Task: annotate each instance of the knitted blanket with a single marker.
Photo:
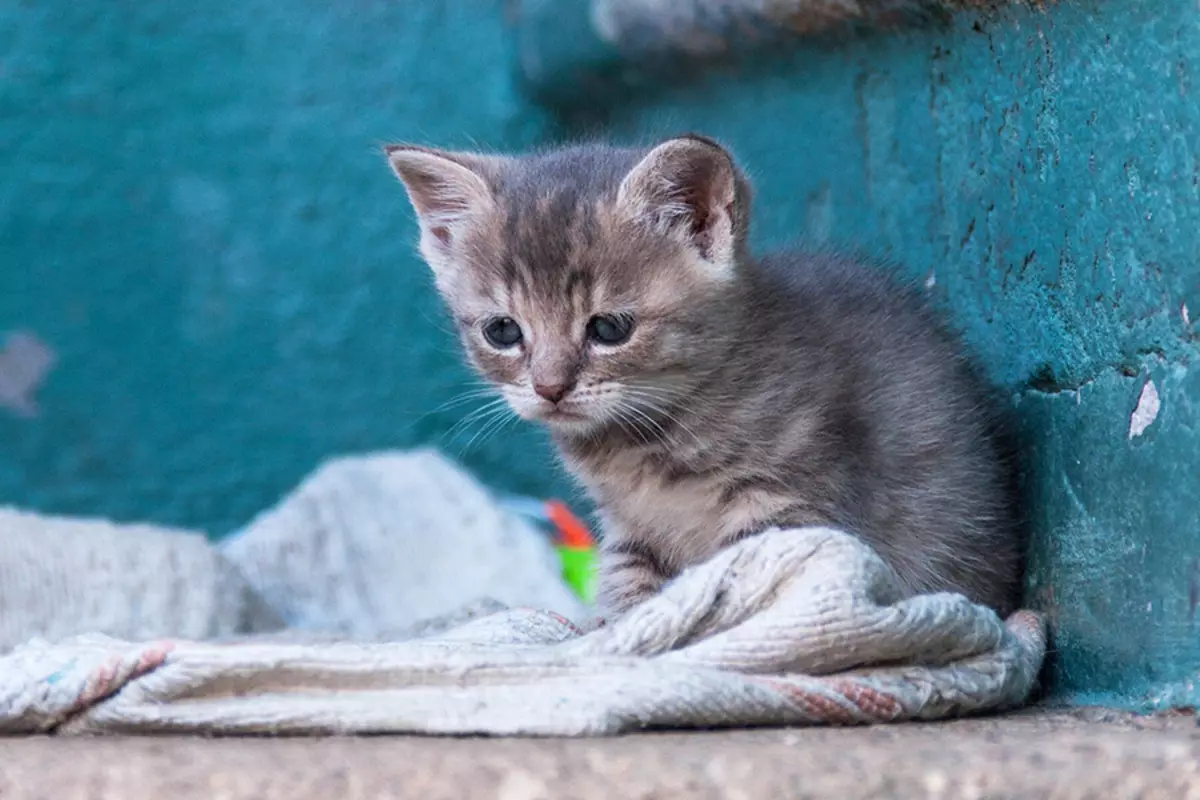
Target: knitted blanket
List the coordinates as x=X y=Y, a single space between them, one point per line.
x=804 y=626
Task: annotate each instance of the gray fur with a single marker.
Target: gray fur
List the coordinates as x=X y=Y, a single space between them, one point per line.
x=795 y=388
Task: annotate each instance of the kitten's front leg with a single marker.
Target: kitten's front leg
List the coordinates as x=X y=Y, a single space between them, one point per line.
x=631 y=571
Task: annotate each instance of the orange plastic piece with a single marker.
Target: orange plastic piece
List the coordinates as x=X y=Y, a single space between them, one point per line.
x=574 y=533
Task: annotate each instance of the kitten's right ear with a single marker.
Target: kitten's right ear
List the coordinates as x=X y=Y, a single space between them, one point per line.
x=447 y=191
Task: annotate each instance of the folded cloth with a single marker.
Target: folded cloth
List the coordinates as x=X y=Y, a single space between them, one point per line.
x=801 y=626
x=374 y=547
x=61 y=577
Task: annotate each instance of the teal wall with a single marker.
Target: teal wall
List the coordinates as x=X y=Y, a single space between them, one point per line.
x=195 y=220
x=1042 y=171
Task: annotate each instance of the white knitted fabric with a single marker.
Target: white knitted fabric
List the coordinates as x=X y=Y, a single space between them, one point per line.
x=372 y=547
x=790 y=627
x=375 y=546
x=60 y=577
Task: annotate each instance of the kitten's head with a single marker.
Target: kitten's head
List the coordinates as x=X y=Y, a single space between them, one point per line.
x=585 y=282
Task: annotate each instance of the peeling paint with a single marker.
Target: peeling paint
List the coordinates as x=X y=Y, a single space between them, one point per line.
x=1146 y=411
x=1183 y=312
x=24 y=363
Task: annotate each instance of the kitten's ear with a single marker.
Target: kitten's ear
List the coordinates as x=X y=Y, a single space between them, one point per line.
x=447 y=191
x=690 y=188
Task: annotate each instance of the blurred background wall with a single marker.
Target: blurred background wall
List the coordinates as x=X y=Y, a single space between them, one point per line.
x=208 y=280
x=197 y=219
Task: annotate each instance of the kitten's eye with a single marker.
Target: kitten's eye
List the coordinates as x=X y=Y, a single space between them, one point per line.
x=609 y=329
x=502 y=332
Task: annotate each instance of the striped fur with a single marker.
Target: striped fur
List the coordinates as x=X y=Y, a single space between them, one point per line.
x=796 y=388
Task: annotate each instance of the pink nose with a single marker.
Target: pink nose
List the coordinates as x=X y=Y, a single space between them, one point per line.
x=552 y=391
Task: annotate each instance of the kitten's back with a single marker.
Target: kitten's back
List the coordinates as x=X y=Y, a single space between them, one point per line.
x=931 y=470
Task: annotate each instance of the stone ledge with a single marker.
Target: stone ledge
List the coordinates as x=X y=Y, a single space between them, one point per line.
x=1036 y=754
x=573 y=52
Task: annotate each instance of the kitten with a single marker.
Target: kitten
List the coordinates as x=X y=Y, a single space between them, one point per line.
x=700 y=393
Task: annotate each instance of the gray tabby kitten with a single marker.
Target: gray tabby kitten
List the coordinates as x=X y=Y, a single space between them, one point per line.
x=703 y=394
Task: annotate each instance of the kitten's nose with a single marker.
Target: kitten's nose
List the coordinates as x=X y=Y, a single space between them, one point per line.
x=552 y=391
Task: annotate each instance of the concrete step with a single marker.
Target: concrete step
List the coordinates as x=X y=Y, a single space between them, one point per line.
x=1088 y=753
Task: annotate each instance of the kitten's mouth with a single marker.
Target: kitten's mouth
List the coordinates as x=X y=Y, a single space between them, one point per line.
x=557 y=415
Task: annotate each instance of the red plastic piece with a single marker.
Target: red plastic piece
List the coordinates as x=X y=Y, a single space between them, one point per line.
x=573 y=532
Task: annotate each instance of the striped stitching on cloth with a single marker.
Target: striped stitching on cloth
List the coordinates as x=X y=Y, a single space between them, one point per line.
x=698 y=655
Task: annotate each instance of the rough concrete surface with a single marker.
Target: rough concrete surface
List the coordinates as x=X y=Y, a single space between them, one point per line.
x=1029 y=169
x=1043 y=754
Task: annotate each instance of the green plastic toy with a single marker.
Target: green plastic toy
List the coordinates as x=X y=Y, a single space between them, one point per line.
x=574 y=542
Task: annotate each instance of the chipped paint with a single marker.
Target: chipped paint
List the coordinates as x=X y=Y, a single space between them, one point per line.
x=1146 y=411
x=25 y=362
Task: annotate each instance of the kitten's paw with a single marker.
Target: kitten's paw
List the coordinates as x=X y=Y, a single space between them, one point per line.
x=623 y=592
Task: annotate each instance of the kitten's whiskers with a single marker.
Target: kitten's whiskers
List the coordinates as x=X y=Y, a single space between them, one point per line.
x=497 y=422
x=657 y=405
x=482 y=414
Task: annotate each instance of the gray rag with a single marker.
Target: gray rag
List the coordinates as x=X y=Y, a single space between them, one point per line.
x=790 y=627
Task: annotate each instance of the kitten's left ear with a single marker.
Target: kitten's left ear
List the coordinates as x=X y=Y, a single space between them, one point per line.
x=689 y=188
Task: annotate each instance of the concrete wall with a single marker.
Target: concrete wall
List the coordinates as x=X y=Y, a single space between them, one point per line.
x=195 y=223
x=196 y=220
x=1041 y=172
